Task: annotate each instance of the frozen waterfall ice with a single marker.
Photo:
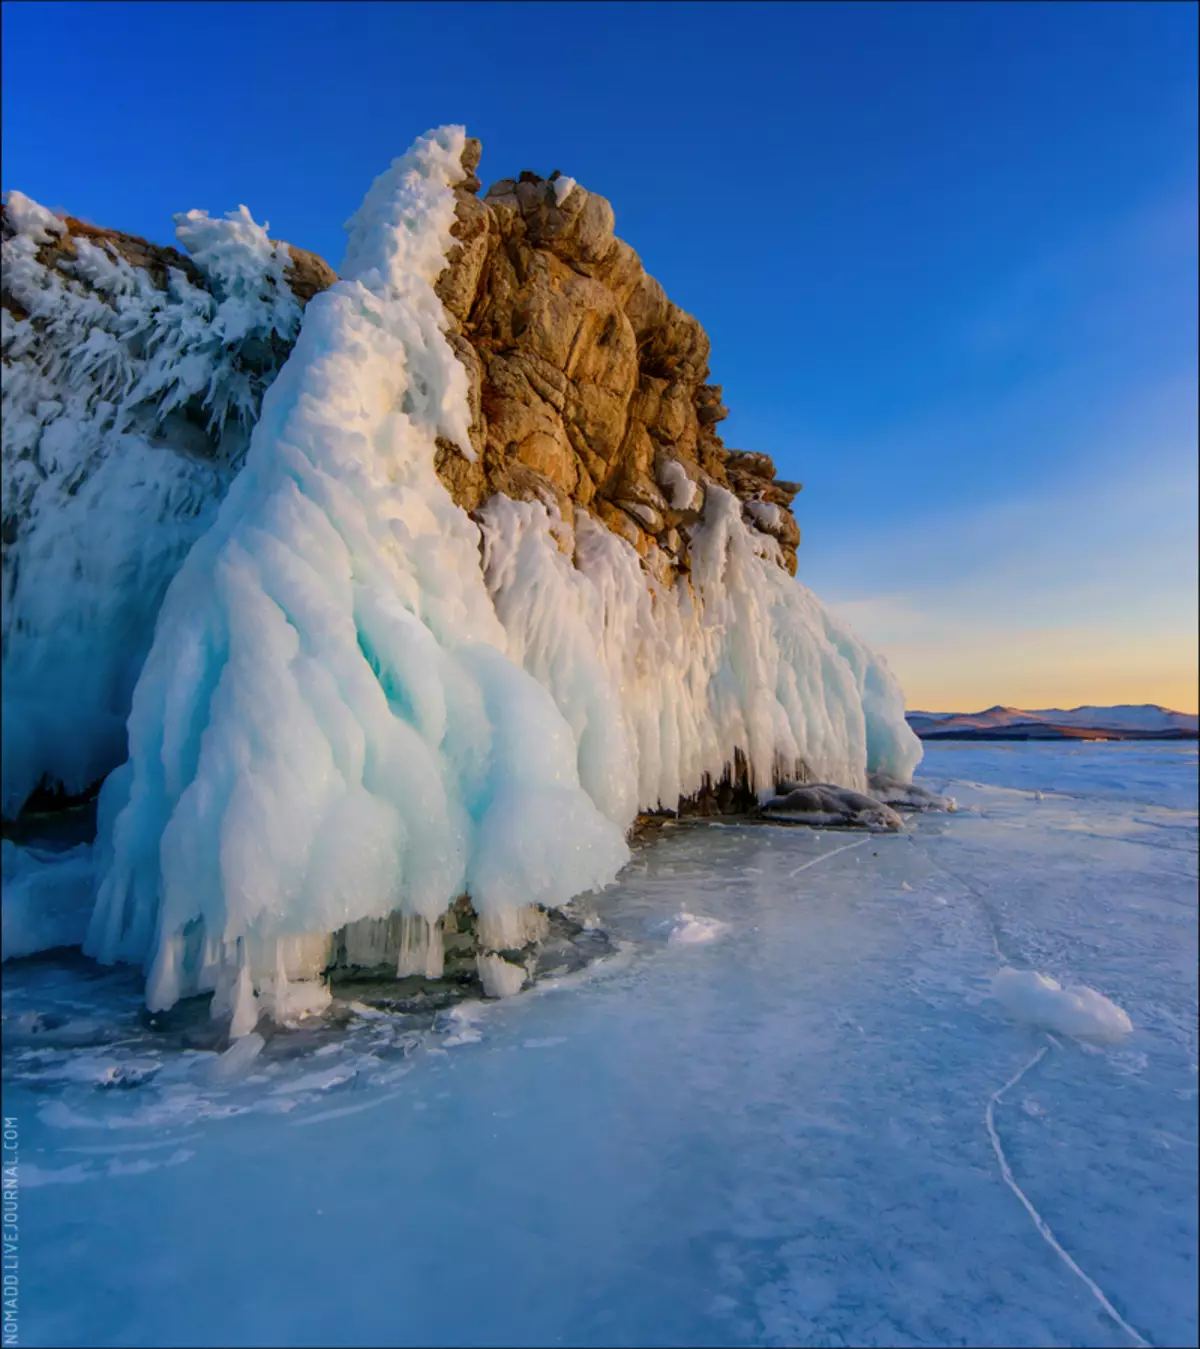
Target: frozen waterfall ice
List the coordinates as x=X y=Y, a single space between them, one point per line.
x=327 y=728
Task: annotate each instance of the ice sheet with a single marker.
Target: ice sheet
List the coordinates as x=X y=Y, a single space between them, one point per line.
x=775 y=1137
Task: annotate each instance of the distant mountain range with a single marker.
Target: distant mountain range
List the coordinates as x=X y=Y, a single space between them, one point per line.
x=1146 y=721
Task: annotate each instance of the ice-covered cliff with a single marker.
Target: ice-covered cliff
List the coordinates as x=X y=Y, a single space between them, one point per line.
x=424 y=590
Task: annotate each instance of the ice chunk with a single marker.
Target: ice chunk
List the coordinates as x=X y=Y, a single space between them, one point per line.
x=689 y=929
x=501 y=978
x=236 y=1060
x=1075 y=1010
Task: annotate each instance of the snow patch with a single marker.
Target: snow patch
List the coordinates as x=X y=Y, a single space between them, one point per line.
x=765 y=514
x=562 y=189
x=680 y=489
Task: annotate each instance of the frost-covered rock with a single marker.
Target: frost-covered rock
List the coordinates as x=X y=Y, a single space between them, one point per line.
x=895 y=791
x=132 y=377
x=484 y=583
x=822 y=803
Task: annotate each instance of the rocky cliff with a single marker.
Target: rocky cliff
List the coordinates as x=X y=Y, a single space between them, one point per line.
x=588 y=390
x=588 y=387
x=587 y=383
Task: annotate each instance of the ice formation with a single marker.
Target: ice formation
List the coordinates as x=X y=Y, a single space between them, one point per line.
x=47 y=898
x=106 y=380
x=358 y=701
x=1075 y=1010
x=680 y=489
x=327 y=728
x=661 y=684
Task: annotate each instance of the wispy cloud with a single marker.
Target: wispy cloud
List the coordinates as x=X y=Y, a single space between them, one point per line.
x=1084 y=593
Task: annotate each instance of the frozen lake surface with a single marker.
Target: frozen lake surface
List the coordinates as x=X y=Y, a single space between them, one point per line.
x=765 y=1122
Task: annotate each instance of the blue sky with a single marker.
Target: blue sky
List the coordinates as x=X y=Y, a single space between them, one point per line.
x=946 y=255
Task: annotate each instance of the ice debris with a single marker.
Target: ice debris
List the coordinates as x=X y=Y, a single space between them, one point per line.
x=689 y=929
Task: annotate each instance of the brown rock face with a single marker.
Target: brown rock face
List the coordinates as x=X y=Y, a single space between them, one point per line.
x=588 y=387
x=585 y=379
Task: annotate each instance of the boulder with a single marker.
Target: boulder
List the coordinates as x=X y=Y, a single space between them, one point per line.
x=824 y=804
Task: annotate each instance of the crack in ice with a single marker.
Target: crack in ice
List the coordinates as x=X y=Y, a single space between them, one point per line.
x=993 y=924
x=1038 y=1221
x=832 y=853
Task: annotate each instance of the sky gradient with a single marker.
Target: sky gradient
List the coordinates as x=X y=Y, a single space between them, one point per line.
x=946 y=255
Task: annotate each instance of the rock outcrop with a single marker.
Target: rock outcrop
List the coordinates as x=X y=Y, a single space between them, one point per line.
x=588 y=386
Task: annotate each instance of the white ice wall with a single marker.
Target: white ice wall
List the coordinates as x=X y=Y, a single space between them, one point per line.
x=661 y=684
x=326 y=728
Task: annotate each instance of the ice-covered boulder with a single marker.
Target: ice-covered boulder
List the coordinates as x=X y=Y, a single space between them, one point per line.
x=822 y=803
x=894 y=791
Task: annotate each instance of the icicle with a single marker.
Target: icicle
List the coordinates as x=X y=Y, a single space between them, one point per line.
x=245 y=1006
x=421 y=948
x=500 y=978
x=511 y=929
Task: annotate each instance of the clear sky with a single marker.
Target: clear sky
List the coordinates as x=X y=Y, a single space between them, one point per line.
x=946 y=254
